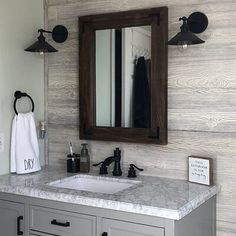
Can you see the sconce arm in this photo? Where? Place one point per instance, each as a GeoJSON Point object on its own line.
{"type": "Point", "coordinates": [44, 31]}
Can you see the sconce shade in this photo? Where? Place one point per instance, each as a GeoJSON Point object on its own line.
{"type": "Point", "coordinates": [185, 37]}
{"type": "Point", "coordinates": [41, 46]}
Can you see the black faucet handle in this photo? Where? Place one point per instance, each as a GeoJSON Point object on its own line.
{"type": "Point", "coordinates": [103, 168]}
{"type": "Point", "coordinates": [132, 171]}
{"type": "Point", "coordinates": [132, 165]}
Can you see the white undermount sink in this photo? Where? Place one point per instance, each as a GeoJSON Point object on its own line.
{"type": "Point", "coordinates": [94, 184]}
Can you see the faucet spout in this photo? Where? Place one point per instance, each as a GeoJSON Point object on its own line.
{"type": "Point", "coordinates": [104, 164]}
{"type": "Point", "coordinates": [117, 157]}
{"type": "Point", "coordinates": [108, 161]}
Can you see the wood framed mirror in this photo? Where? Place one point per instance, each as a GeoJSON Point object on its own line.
{"type": "Point", "coordinates": [123, 61]}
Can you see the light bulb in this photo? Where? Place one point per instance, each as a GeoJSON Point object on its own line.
{"type": "Point", "coordinates": [183, 46]}
{"type": "Point", "coordinates": [41, 53]}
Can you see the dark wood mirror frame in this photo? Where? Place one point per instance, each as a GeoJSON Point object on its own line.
{"type": "Point", "coordinates": [158, 19]}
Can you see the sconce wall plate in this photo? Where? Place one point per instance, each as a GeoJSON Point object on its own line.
{"type": "Point", "coordinates": [60, 34]}
{"type": "Point", "coordinates": [197, 22]}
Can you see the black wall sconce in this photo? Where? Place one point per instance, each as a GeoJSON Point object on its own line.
{"type": "Point", "coordinates": [59, 35]}
{"type": "Point", "coordinates": [196, 23]}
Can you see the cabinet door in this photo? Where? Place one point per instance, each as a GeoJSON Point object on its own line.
{"type": "Point", "coordinates": [11, 218]}
{"type": "Point", "coordinates": [122, 228]}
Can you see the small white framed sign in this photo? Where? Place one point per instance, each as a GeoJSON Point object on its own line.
{"type": "Point", "coordinates": [200, 170]}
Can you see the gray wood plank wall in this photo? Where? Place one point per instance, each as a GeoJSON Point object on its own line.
{"type": "Point", "coordinates": [202, 96]}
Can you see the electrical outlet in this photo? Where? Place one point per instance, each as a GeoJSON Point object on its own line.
{"type": "Point", "coordinates": [1, 142]}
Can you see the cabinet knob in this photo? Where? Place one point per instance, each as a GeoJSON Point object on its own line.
{"type": "Point", "coordinates": [104, 234]}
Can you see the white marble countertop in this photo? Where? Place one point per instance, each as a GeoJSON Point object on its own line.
{"type": "Point", "coordinates": [154, 196]}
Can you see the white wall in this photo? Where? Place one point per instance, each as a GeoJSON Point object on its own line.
{"type": "Point", "coordinates": [19, 70]}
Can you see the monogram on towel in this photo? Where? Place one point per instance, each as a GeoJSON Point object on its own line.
{"type": "Point", "coordinates": [29, 164]}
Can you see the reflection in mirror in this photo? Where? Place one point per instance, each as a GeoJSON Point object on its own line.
{"type": "Point", "coordinates": [123, 77]}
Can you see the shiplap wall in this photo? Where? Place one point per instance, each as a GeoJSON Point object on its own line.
{"type": "Point", "coordinates": [202, 96]}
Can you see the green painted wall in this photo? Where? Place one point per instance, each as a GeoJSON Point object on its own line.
{"type": "Point", "coordinates": [19, 70]}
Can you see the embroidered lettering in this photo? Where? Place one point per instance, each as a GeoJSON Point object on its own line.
{"type": "Point", "coordinates": [29, 164]}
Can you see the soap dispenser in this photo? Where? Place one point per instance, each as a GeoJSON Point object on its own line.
{"type": "Point", "coordinates": [84, 159]}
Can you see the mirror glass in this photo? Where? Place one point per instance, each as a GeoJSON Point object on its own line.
{"type": "Point", "coordinates": [123, 63]}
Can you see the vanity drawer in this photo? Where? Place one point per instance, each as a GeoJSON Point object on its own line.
{"type": "Point", "coordinates": [59, 222]}
{"type": "Point", "coordinates": [121, 228]}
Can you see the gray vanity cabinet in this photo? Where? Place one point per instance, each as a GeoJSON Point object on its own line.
{"type": "Point", "coordinates": [122, 228]}
{"type": "Point", "coordinates": [51, 218]}
{"type": "Point", "coordinates": [11, 218]}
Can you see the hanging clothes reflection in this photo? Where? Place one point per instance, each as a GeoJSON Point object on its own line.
{"type": "Point", "coordinates": [141, 94]}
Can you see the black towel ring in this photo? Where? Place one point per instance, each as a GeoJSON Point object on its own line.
{"type": "Point", "coordinates": [18, 95]}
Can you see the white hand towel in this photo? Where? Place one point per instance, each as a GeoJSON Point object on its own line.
{"type": "Point", "coordinates": [24, 145]}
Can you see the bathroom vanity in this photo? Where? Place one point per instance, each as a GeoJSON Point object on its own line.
{"type": "Point", "coordinates": [44, 203]}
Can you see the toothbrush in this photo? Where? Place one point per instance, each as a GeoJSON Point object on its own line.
{"type": "Point", "coordinates": [71, 148]}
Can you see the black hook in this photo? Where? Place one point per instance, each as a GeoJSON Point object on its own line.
{"type": "Point", "coordinates": [18, 95]}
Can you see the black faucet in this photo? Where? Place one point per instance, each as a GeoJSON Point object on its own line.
{"type": "Point", "coordinates": [116, 159]}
